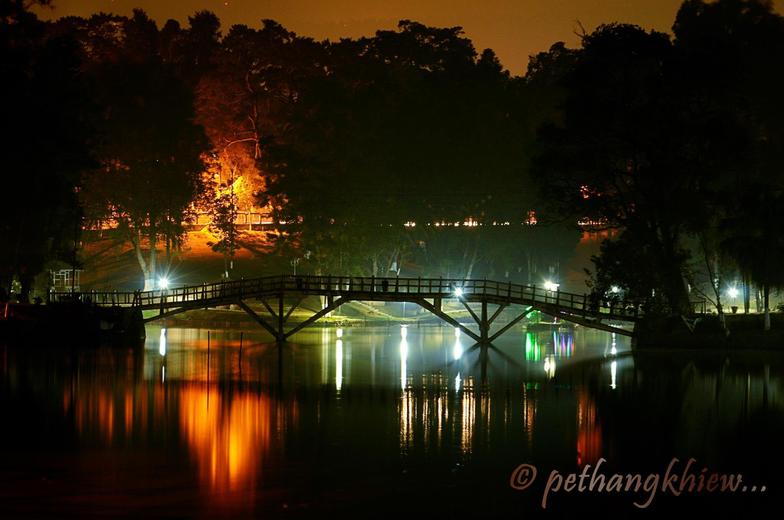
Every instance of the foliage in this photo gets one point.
(150, 147)
(46, 120)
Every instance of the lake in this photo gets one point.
(380, 421)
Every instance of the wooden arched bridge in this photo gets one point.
(281, 295)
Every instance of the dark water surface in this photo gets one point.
(375, 424)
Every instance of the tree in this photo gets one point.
(633, 149)
(410, 126)
(46, 123)
(151, 159)
(732, 49)
(221, 203)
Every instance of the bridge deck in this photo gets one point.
(395, 289)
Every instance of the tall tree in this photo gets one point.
(632, 149)
(408, 126)
(150, 150)
(731, 51)
(46, 123)
(151, 159)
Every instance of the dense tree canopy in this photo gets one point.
(672, 141)
(408, 151)
(46, 123)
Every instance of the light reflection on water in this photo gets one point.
(246, 418)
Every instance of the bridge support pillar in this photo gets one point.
(484, 325)
(281, 320)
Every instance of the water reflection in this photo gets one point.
(457, 350)
(229, 437)
(241, 425)
(549, 366)
(338, 363)
(162, 342)
(403, 358)
(589, 430)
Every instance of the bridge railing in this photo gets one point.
(102, 298)
(370, 287)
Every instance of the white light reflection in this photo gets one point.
(403, 361)
(339, 364)
(457, 350)
(613, 369)
(163, 374)
(457, 382)
(613, 350)
(325, 341)
(162, 343)
(549, 366)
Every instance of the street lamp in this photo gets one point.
(459, 292)
(551, 286)
(733, 292)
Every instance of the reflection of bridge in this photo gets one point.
(275, 292)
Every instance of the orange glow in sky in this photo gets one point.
(515, 29)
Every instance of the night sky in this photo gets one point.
(515, 29)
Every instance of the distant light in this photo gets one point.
(615, 289)
(458, 291)
(340, 333)
(403, 331)
(163, 283)
(551, 286)
(733, 292)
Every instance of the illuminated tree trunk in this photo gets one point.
(149, 279)
(149, 266)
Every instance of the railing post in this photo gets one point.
(557, 297)
(585, 301)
